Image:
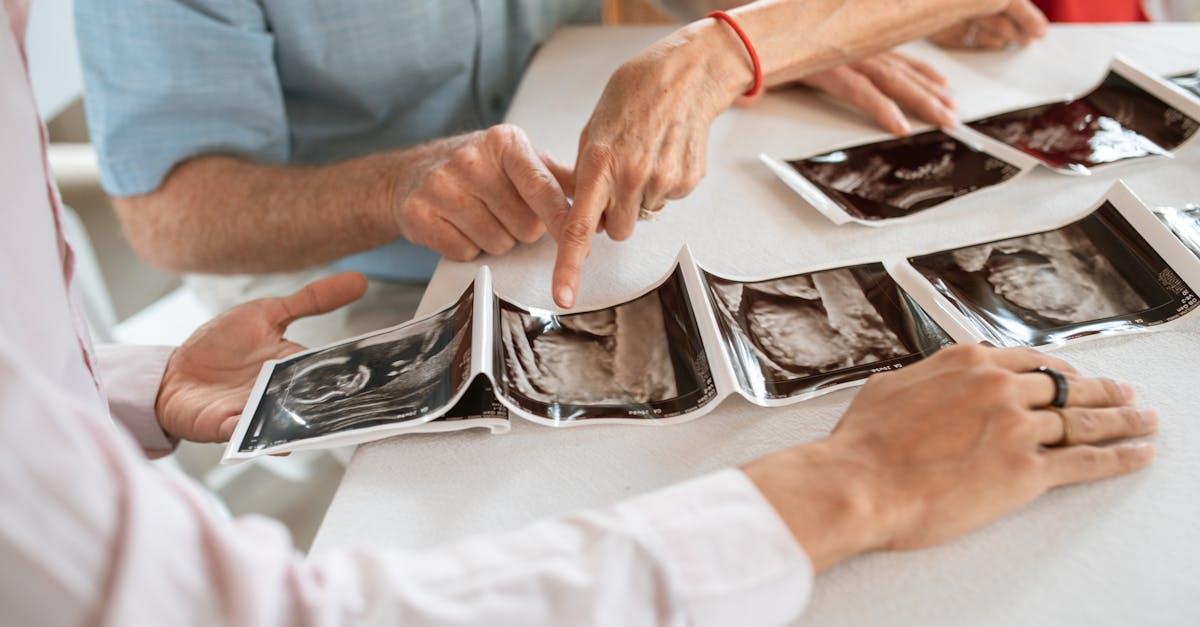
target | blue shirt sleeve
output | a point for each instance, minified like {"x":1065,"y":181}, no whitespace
{"x":166,"y":80}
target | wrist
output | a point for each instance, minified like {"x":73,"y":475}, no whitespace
{"x":387,"y":196}
{"x":166,"y":391}
{"x":714,"y":48}
{"x":829,"y":500}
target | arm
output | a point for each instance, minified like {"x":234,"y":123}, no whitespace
{"x":948,"y":445}
{"x":187,"y":111}
{"x":705,"y":68}
{"x":132,"y":376}
{"x":472,"y":193}
{"x":881,"y":86}
{"x":922,"y":455}
{"x":96,"y":535}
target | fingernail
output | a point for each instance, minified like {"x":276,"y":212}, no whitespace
{"x":1148,"y":416}
{"x":1127,"y":391}
{"x":565,"y":297}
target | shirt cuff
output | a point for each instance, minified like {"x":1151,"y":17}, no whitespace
{"x":131,"y":377}
{"x":727,"y":549}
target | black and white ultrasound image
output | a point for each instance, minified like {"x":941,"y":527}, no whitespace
{"x":640,"y":359}
{"x":399,"y":375}
{"x":899,"y":177}
{"x":1190,"y":82}
{"x":1095,"y":276}
{"x":801,"y":333}
{"x":1118,"y":120}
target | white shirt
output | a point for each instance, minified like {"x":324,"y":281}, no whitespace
{"x":90,"y":533}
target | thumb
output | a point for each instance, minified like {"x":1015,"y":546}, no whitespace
{"x":322,"y":296}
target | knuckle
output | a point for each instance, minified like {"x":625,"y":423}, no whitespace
{"x":441,"y":177}
{"x":602,"y":156}
{"x":504,"y":243}
{"x":1023,"y":463}
{"x":635,"y":174}
{"x":542,"y":185}
{"x":577,"y":233}
{"x":1127,"y":460}
{"x":1089,"y":460}
{"x":530,"y":232}
{"x":503,"y":134}
{"x":1112,"y":392}
{"x":968,"y":355}
{"x":1086,"y":425}
{"x":464,"y":158}
{"x":463,"y":252}
{"x":1132,"y":421}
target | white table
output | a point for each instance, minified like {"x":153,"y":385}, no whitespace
{"x":1120,"y":552}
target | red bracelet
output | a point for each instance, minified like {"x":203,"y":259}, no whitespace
{"x":737,"y":28}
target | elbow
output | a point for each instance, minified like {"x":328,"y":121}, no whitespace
{"x":157,"y":236}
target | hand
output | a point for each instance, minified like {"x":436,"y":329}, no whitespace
{"x":490,"y":190}
{"x":881,"y":84}
{"x":947,"y":445}
{"x":1017,"y":25}
{"x":646,"y":141}
{"x":208,"y":379}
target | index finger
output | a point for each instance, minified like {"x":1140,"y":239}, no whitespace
{"x":573,"y":231}
{"x":534,"y":181}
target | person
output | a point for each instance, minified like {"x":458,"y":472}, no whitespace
{"x":92,"y":533}
{"x":709,"y":66}
{"x":246,"y":137}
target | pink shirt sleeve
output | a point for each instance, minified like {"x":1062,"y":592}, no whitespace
{"x":91,"y":533}
{"x":131,"y":376}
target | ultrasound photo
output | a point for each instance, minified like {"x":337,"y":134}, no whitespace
{"x":1097,"y":275}
{"x":805,"y":332}
{"x":398,"y":375}
{"x":899,"y":177}
{"x":1117,"y":120}
{"x":1184,"y":223}
{"x":1190,"y":82}
{"x":641,"y":359}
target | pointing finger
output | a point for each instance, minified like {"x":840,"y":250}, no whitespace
{"x":574,"y":231}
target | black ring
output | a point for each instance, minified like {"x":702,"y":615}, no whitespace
{"x":1060,"y":385}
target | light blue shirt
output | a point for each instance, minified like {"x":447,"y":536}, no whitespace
{"x":301,"y":82}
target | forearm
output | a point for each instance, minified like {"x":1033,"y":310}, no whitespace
{"x":821,"y":34}
{"x":223,"y":214}
{"x":823,"y":498}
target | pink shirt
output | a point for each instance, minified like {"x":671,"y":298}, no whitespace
{"x":92,"y":534}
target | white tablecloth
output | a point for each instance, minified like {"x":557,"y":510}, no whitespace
{"x":1119,"y":552}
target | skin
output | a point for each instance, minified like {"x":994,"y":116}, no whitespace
{"x":209,"y":378}
{"x":482,"y":191}
{"x":683,"y":81}
{"x":943,"y":447}
{"x":1018,"y":25}
{"x":922,"y":454}
{"x":462,"y":196}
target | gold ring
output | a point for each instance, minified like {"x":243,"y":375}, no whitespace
{"x":648,"y":215}
{"x":1066,"y":425}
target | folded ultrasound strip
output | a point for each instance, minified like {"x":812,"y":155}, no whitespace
{"x":675,"y":351}
{"x":1131,"y":114}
